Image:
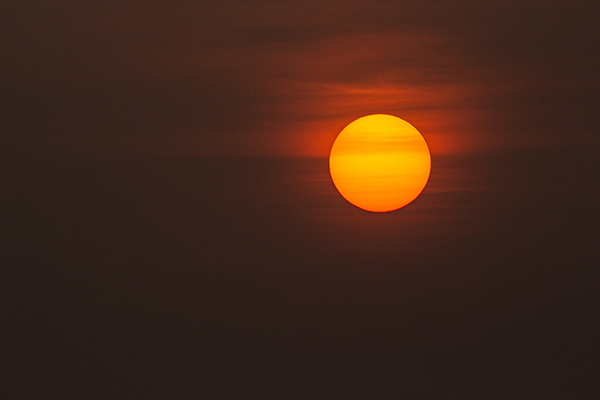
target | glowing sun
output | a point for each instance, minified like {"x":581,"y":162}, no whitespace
{"x":380,"y":163}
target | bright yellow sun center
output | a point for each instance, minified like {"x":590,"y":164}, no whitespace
{"x":380,"y":163}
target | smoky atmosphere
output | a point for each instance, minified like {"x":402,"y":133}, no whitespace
{"x":173,"y":226}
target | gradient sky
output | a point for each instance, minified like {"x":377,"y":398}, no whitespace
{"x":272,"y":78}
{"x":170,"y":230}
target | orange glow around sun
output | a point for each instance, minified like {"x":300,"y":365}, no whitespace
{"x":380,"y":163}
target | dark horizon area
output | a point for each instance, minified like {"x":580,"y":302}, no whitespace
{"x":253,"y":278}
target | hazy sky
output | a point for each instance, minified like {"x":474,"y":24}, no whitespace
{"x":283,"y":78}
{"x":207,"y":275}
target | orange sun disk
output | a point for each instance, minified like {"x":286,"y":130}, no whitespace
{"x":380,"y":163}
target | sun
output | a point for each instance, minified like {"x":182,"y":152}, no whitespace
{"x":380,"y":163}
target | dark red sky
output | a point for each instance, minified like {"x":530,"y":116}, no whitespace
{"x":164,"y":237}
{"x":282,"y":78}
